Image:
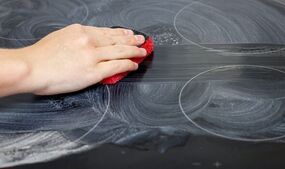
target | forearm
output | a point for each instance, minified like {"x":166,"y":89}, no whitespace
{"x":13,"y":72}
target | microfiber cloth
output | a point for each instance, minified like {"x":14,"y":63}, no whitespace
{"x":148,"y":45}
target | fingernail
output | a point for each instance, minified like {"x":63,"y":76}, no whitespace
{"x":140,"y":38}
{"x":136,"y":65}
{"x":129,"y":32}
{"x":143,"y":51}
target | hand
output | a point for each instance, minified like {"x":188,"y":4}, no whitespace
{"x":78,"y":56}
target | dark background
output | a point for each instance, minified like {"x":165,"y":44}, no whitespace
{"x":199,"y":152}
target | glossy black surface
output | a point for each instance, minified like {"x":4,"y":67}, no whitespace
{"x":217,"y":75}
{"x":199,"y":152}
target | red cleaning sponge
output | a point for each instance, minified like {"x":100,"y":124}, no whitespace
{"x":148,"y":45}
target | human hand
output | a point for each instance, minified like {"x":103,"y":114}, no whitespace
{"x":78,"y":56}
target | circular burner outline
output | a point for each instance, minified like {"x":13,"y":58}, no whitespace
{"x":33,"y":39}
{"x":100,"y":120}
{"x":212,"y":49}
{"x":214,"y":133}
{"x":77,"y":141}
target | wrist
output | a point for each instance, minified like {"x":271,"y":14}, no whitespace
{"x":13,"y":71}
{"x":31,"y":80}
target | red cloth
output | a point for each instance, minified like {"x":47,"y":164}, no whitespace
{"x":149,"y":46}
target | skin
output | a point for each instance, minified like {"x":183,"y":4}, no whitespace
{"x":69,"y":60}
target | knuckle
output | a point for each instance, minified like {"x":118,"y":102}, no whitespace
{"x":76,"y":26}
{"x":111,"y":41}
{"x":130,"y":64}
{"x":135,"y":50}
{"x":131,"y":40}
{"x":134,"y":40}
{"x":78,"y":33}
{"x":120,"y":31}
{"x":84,"y":39}
{"x":125,"y":40}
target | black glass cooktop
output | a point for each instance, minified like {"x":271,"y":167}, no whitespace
{"x":211,"y":96}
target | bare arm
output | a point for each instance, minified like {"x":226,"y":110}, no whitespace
{"x":13,"y":71}
{"x":68,"y":60}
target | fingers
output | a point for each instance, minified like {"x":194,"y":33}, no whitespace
{"x":116,"y":31}
{"x":108,"y":36}
{"x":113,"y":67}
{"x":110,"y":31}
{"x":119,"y":52}
{"x":135,"y":40}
